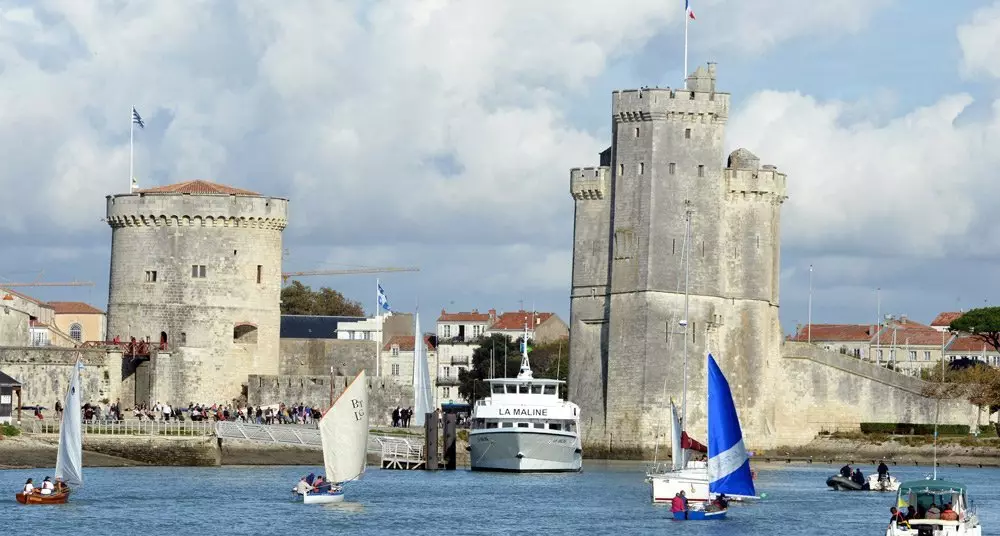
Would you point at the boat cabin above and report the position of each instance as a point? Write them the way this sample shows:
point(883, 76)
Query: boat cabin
point(525, 403)
point(923, 494)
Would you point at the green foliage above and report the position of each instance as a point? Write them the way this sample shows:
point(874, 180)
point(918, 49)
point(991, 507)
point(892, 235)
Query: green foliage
point(550, 360)
point(7, 430)
point(982, 323)
point(903, 428)
point(299, 299)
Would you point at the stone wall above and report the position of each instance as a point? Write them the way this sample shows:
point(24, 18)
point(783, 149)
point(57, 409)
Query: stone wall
point(14, 327)
point(314, 357)
point(383, 395)
point(44, 373)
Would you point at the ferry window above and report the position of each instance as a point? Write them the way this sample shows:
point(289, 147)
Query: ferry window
point(555, 426)
point(491, 425)
point(536, 389)
point(550, 389)
point(508, 425)
point(522, 425)
point(498, 389)
point(539, 425)
point(512, 389)
point(524, 389)
point(571, 427)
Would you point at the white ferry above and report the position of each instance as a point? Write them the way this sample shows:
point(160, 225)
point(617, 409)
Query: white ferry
point(524, 426)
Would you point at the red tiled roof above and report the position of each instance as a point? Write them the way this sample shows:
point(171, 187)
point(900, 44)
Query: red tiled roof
point(835, 333)
point(516, 321)
point(474, 316)
point(912, 333)
point(406, 343)
point(74, 308)
point(969, 344)
point(945, 319)
point(197, 187)
point(36, 324)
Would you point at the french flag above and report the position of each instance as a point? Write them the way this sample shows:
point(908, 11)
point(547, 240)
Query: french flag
point(687, 8)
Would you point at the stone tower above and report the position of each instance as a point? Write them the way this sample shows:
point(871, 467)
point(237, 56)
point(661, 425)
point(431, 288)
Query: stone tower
point(665, 162)
point(196, 271)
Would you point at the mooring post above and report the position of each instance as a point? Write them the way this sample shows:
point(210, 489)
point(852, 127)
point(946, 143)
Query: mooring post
point(431, 441)
point(450, 423)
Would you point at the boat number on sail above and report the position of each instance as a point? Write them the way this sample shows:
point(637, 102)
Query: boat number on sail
point(359, 409)
point(524, 412)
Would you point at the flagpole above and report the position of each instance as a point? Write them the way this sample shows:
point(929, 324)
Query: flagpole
point(378, 327)
point(687, 18)
point(131, 147)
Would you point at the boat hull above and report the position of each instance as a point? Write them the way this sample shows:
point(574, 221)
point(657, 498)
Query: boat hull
point(840, 483)
point(700, 515)
point(37, 498)
point(890, 484)
point(693, 482)
point(954, 529)
point(323, 498)
point(525, 451)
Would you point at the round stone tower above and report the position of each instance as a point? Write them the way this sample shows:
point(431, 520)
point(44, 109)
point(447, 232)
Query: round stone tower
point(196, 272)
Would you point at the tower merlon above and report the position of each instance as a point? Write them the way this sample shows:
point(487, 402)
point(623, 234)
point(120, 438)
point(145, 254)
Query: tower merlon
point(589, 183)
point(767, 181)
point(648, 104)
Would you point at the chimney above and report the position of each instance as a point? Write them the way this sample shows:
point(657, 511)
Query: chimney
point(902, 319)
point(442, 310)
point(493, 314)
point(475, 311)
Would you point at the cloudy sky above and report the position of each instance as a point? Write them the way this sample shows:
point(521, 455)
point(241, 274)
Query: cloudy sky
point(439, 133)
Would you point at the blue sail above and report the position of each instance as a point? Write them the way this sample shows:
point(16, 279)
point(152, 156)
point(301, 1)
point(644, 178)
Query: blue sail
point(728, 462)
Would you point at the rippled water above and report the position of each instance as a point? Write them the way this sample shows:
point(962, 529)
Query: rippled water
point(606, 498)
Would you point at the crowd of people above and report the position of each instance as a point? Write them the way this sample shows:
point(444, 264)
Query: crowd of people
point(300, 413)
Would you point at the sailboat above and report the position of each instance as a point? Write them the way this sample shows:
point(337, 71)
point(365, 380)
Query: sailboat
point(728, 462)
point(344, 434)
point(69, 458)
point(422, 388)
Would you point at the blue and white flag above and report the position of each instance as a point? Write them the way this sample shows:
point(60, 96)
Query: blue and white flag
point(728, 462)
point(383, 302)
point(136, 119)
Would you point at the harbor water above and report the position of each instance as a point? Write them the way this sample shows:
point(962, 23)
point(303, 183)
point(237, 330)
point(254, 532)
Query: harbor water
point(606, 498)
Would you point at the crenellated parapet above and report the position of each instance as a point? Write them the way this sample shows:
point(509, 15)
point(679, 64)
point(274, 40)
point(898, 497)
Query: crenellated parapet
point(589, 183)
point(746, 179)
point(163, 220)
point(196, 210)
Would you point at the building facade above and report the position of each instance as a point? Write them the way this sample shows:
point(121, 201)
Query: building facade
point(196, 273)
point(397, 358)
point(81, 321)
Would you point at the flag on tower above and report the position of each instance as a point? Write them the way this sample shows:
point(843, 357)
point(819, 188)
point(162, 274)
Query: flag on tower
point(687, 8)
point(136, 119)
point(383, 302)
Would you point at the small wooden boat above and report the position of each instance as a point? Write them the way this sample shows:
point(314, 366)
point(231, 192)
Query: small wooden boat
point(38, 498)
point(701, 514)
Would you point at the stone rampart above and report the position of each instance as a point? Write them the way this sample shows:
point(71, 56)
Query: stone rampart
point(383, 394)
point(314, 357)
point(44, 373)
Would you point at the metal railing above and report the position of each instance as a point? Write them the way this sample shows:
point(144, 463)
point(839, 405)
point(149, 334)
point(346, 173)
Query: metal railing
point(270, 433)
point(129, 427)
point(394, 448)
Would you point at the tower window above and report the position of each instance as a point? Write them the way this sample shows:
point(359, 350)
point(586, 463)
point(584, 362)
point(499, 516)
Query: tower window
point(636, 132)
point(621, 169)
point(701, 171)
point(260, 273)
point(198, 270)
point(687, 133)
point(642, 168)
point(673, 168)
point(184, 338)
point(151, 276)
point(691, 97)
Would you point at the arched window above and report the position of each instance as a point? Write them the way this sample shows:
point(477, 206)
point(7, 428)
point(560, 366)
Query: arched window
point(76, 332)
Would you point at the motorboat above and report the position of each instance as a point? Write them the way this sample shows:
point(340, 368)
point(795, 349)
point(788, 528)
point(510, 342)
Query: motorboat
point(344, 434)
point(69, 457)
point(525, 426)
point(889, 483)
point(922, 495)
point(842, 483)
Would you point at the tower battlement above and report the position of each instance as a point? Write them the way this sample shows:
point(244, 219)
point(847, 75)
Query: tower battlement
point(745, 177)
point(677, 104)
point(589, 182)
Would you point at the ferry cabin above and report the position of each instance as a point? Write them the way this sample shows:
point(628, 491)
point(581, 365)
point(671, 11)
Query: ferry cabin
point(525, 403)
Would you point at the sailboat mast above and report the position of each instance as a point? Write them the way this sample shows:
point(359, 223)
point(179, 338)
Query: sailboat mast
point(684, 321)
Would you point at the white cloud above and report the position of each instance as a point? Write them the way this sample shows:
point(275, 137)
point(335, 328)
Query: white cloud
point(980, 41)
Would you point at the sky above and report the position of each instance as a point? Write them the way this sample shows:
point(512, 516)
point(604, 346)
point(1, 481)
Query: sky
point(440, 134)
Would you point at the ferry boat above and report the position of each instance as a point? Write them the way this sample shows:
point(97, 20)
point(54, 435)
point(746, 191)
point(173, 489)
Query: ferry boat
point(524, 426)
point(924, 494)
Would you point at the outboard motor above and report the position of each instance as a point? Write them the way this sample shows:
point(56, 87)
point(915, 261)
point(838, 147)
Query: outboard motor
point(925, 530)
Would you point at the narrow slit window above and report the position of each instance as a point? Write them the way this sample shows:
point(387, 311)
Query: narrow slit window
point(672, 168)
point(701, 171)
point(636, 132)
point(687, 133)
point(260, 273)
point(621, 169)
point(642, 168)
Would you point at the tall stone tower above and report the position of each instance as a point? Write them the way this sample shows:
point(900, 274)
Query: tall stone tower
point(666, 163)
point(195, 270)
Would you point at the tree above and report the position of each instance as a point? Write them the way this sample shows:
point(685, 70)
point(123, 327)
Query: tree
point(549, 360)
point(299, 299)
point(976, 382)
point(982, 323)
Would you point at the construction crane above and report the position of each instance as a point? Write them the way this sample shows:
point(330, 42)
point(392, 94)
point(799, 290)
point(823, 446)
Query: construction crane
point(4, 284)
point(286, 275)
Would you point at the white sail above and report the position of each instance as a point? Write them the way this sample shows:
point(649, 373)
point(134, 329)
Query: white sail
point(69, 459)
point(422, 399)
point(677, 458)
point(344, 432)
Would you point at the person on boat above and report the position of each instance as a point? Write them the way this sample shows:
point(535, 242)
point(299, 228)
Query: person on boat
point(897, 517)
point(47, 487)
point(721, 501)
point(324, 486)
point(29, 488)
point(845, 471)
point(933, 512)
point(310, 478)
point(948, 514)
point(60, 485)
point(679, 503)
point(303, 487)
point(883, 471)
point(911, 512)
point(858, 478)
